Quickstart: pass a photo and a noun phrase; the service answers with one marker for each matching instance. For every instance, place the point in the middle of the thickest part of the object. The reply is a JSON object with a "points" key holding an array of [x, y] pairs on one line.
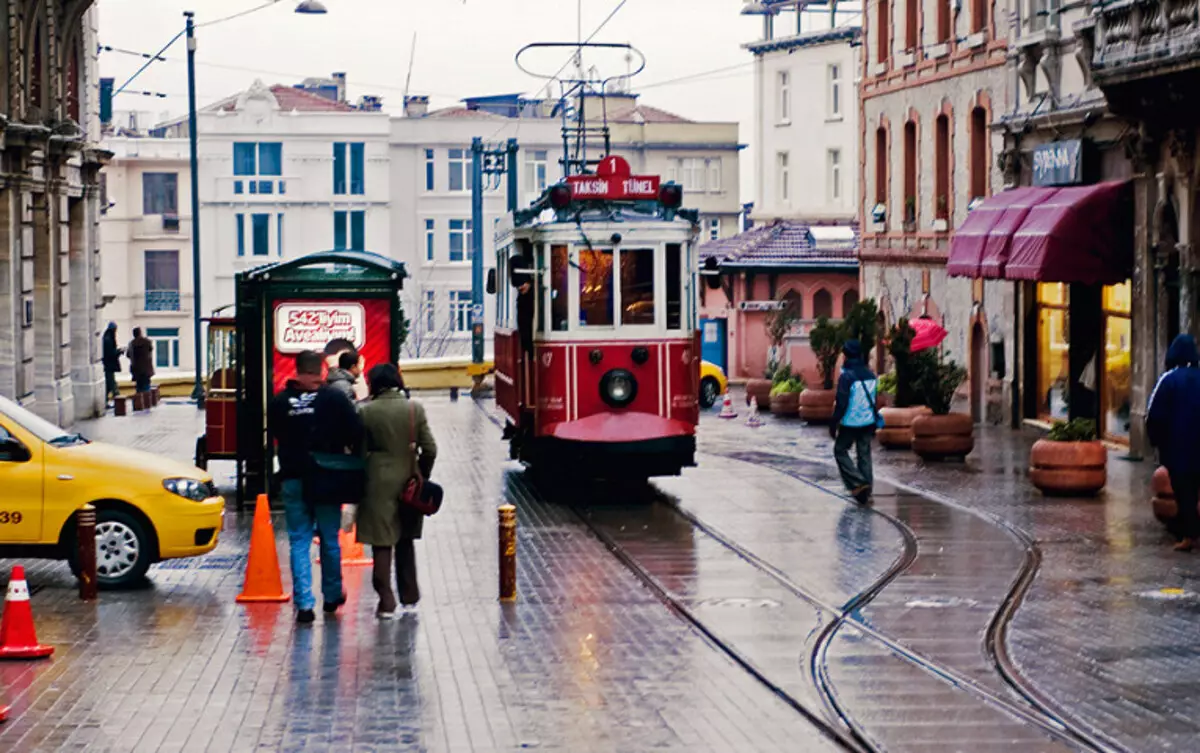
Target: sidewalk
{"points": [[1096, 636]]}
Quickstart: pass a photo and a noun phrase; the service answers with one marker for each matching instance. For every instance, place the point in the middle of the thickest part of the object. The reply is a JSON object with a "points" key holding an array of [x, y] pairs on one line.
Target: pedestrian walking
{"points": [[399, 444], [141, 360], [1173, 426], [855, 419], [319, 435], [346, 374], [111, 360]]}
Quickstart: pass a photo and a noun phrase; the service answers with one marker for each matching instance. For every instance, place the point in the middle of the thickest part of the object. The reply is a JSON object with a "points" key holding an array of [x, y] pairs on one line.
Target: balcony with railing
{"points": [[162, 300], [1135, 40]]}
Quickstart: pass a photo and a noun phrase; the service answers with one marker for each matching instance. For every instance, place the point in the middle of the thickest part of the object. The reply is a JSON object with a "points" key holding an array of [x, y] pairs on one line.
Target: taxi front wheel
{"points": [[123, 550]]}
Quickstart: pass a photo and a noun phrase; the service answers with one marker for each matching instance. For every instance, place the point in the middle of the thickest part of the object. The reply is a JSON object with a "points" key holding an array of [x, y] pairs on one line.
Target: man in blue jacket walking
{"points": [[854, 422], [1173, 425]]}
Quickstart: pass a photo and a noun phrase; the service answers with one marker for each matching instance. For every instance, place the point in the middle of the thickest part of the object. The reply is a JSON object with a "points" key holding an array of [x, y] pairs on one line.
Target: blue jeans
{"points": [[302, 521]]}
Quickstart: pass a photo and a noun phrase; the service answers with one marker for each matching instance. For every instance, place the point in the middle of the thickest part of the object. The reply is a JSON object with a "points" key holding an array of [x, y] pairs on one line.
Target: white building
{"points": [[146, 241], [806, 123]]}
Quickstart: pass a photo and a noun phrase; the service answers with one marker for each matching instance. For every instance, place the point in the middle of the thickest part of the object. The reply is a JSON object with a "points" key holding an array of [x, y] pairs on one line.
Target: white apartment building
{"points": [[146, 243], [807, 116]]}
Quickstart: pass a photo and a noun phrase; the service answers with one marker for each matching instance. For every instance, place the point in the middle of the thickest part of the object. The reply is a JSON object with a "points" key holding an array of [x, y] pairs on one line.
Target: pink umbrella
{"points": [[929, 334]]}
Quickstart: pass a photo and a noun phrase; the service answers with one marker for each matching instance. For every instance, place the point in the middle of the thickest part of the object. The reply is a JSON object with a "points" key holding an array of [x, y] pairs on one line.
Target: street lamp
{"points": [[306, 7]]}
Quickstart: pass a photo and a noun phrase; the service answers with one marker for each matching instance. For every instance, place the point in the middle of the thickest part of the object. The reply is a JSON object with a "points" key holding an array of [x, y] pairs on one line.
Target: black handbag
{"points": [[335, 479], [419, 494]]}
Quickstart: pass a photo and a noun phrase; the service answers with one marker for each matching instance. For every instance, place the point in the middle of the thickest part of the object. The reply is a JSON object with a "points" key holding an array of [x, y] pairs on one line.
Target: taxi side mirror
{"points": [[491, 281]]}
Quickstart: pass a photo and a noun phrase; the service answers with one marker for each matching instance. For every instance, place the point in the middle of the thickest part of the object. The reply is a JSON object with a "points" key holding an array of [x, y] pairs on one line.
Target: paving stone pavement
{"points": [[1096, 635], [586, 660]]}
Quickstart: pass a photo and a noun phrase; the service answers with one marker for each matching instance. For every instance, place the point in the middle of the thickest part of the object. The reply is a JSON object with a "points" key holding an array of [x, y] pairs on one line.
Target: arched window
{"points": [[822, 304], [979, 161], [912, 25], [849, 301], [883, 41], [72, 81], [794, 301], [881, 166], [978, 15], [941, 191], [36, 72], [943, 22], [910, 172]]}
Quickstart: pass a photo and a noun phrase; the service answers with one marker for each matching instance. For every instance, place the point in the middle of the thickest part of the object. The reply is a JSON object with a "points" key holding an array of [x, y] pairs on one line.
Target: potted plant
{"points": [[779, 323], [785, 395], [897, 421], [826, 339], [942, 434], [885, 397], [1070, 460]]}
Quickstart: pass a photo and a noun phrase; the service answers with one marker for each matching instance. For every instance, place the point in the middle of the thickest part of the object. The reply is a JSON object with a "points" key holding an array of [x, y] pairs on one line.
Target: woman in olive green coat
{"points": [[395, 430]]}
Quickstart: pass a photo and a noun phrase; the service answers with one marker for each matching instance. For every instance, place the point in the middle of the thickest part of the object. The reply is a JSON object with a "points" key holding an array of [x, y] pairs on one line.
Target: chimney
{"points": [[370, 103], [340, 80], [416, 106]]}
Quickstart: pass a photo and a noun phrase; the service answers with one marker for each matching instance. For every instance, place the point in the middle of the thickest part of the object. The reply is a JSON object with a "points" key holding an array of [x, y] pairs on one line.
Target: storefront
{"points": [[1067, 247]]}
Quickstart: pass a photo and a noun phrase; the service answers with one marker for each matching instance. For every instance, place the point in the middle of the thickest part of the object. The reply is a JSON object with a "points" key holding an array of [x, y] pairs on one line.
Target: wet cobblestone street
{"points": [[743, 606]]}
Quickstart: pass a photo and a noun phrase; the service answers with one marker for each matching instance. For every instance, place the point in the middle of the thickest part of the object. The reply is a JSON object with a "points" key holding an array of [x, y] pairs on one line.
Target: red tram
{"points": [[597, 351]]}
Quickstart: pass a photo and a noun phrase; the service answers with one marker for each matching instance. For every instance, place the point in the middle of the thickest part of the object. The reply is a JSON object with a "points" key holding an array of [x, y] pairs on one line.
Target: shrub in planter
{"points": [[1069, 460], [826, 339], [759, 390], [886, 395], [785, 397], [896, 433], [942, 434]]}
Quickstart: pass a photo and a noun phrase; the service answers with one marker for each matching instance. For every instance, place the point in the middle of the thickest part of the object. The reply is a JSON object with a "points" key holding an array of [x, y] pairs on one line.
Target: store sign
{"points": [[309, 326], [613, 182], [1059, 163], [761, 306]]}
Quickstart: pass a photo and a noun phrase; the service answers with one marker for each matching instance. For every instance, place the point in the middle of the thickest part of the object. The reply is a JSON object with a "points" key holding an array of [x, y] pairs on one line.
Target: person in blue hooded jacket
{"points": [[854, 422], [1173, 426]]}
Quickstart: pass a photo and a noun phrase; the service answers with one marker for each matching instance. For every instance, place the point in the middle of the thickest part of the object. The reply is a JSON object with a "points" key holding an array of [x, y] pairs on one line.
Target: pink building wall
{"points": [[746, 332]]}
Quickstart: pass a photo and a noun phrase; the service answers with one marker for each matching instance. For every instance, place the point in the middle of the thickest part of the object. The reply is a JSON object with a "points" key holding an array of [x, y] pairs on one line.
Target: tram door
{"points": [[713, 342]]}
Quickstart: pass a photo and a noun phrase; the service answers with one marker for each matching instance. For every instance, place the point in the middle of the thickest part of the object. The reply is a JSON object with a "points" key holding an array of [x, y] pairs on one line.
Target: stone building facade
{"points": [[49, 208], [933, 81]]}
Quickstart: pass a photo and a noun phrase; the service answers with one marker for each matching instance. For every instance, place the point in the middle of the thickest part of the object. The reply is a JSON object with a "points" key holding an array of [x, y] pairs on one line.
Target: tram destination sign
{"points": [[613, 182]]}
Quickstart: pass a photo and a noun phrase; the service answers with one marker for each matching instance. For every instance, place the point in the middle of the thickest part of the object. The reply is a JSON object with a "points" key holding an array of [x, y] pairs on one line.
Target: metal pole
{"points": [[85, 527], [512, 175], [198, 389], [477, 251], [508, 552]]}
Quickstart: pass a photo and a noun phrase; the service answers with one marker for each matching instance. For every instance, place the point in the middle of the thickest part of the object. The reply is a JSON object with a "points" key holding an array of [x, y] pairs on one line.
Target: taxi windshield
{"points": [[36, 425]]}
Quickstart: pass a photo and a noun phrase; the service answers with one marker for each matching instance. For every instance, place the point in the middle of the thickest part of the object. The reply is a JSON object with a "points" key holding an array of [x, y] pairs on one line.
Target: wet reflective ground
{"points": [[743, 606]]}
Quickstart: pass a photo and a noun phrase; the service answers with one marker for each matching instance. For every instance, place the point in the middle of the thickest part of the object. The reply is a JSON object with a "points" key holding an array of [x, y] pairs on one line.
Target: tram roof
{"points": [[362, 265]]}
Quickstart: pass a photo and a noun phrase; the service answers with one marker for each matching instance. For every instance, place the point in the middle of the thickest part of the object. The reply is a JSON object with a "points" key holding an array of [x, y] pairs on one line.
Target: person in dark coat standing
{"points": [[306, 418], [141, 360], [396, 433], [1173, 426], [111, 360], [854, 422]]}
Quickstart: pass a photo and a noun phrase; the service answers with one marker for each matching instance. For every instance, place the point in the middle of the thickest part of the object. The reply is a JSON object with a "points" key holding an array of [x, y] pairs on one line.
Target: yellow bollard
{"points": [[508, 553]]}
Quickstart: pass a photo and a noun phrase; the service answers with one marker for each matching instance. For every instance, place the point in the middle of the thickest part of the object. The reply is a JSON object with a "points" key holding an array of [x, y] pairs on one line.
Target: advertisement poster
{"points": [[331, 328]]}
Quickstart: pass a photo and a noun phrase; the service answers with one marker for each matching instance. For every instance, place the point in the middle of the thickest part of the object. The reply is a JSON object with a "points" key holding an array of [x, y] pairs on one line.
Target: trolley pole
{"points": [[198, 353]]}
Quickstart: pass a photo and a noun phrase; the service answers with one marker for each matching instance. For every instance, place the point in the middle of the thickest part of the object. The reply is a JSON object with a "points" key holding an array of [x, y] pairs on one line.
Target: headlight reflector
{"points": [[189, 488], [618, 388]]}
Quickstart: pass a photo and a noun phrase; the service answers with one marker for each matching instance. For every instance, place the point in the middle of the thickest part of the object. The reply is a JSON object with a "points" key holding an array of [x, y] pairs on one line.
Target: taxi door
{"points": [[22, 457]]}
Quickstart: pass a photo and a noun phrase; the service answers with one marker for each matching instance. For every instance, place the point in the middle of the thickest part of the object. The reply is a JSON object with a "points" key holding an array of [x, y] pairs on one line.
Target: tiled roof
{"points": [[782, 243], [289, 99], [464, 113], [645, 114]]}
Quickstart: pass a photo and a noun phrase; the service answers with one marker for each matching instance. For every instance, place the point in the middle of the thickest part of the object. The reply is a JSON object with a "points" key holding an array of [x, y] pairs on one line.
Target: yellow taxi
{"points": [[713, 384], [148, 508]]}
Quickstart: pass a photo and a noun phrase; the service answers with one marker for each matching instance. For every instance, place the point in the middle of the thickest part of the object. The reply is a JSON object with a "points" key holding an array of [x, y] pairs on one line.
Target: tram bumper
{"points": [[623, 444]]}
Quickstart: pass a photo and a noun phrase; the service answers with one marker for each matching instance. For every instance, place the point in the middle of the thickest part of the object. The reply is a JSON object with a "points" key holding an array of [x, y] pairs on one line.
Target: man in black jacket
{"points": [[309, 417], [112, 361], [1173, 426]]}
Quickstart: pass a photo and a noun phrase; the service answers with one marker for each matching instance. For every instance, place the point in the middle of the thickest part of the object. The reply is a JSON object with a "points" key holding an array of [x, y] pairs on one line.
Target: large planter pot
{"points": [[816, 406], [1068, 468], [884, 400], [896, 433], [1166, 508], [940, 437], [759, 390], [786, 404]]}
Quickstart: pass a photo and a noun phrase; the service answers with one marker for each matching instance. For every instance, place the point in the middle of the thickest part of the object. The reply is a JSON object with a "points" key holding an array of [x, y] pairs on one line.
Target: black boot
{"points": [[406, 572]]}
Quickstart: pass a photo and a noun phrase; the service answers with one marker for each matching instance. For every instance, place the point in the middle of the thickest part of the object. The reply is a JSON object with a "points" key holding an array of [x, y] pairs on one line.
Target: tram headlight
{"points": [[618, 388]]}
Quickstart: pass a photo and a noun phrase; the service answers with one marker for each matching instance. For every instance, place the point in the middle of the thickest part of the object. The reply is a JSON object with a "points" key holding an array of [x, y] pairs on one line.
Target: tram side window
{"points": [[674, 286], [637, 286], [595, 287], [502, 288], [560, 308], [540, 279]]}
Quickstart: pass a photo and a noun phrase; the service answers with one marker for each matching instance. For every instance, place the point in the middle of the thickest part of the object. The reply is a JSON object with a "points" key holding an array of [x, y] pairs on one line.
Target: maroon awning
{"points": [[997, 247], [1080, 234], [968, 247]]}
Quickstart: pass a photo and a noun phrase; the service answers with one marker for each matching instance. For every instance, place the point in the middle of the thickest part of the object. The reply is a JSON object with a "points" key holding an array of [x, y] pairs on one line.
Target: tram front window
{"points": [[637, 286], [559, 304], [596, 287]]}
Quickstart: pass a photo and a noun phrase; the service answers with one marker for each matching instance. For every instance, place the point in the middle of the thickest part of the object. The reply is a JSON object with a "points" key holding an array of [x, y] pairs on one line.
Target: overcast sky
{"points": [[463, 48]]}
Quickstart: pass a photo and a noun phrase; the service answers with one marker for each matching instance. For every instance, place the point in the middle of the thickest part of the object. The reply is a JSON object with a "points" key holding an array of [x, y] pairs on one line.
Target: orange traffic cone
{"points": [[727, 410], [263, 581], [18, 639]]}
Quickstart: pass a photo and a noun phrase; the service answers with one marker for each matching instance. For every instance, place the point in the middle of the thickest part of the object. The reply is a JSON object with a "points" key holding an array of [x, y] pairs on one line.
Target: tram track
{"points": [[836, 721]]}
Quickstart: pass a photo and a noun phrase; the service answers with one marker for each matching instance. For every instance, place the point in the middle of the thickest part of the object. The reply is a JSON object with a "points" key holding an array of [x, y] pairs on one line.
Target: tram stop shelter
{"points": [[329, 302]]}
